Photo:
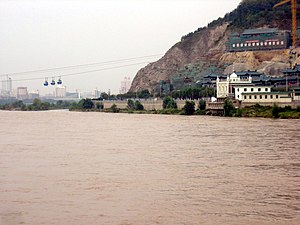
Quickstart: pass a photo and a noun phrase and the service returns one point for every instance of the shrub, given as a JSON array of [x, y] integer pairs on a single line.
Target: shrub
[[169, 103], [138, 105], [189, 108], [85, 104], [130, 104], [114, 108], [99, 105], [275, 111], [239, 113], [202, 104], [228, 108]]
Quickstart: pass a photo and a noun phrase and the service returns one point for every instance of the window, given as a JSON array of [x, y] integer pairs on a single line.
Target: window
[[282, 43], [237, 45], [238, 89], [245, 89], [261, 44], [242, 45], [257, 44], [260, 96], [274, 43], [259, 89], [266, 43], [250, 97], [271, 96], [233, 45], [238, 96], [276, 96], [253, 44], [266, 89], [266, 96], [270, 43], [255, 96], [277, 43], [252, 89], [245, 97]]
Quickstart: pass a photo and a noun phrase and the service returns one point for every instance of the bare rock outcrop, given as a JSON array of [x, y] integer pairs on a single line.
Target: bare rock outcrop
[[207, 44]]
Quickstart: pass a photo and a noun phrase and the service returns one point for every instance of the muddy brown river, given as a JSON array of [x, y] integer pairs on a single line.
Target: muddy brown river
[[61, 167]]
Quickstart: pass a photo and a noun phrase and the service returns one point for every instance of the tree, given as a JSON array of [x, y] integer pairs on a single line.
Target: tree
[[114, 108], [45, 106], [275, 111], [169, 103], [138, 105], [18, 104], [86, 103], [36, 104], [189, 108], [144, 94], [104, 95], [202, 104], [130, 104], [99, 105], [228, 107]]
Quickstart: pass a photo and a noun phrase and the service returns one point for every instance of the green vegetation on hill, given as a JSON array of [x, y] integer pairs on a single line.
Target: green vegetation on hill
[[253, 14]]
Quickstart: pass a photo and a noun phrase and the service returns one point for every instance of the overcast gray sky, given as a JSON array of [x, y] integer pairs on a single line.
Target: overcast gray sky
[[42, 34]]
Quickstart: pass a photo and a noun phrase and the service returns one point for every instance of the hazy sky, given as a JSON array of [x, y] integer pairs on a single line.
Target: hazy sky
[[43, 34]]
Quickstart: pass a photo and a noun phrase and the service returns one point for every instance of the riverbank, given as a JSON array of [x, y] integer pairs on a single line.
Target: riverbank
[[251, 111], [169, 107]]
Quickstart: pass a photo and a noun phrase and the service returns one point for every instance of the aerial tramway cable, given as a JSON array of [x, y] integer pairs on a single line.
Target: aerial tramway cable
[[79, 73], [79, 66]]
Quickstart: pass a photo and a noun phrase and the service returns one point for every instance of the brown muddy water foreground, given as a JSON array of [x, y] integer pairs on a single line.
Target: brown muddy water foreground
[[61, 167]]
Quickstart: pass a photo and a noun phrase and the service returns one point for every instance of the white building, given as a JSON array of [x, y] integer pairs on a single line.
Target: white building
[[267, 98], [60, 91], [97, 93], [248, 94], [225, 88], [6, 89], [22, 93], [125, 85], [239, 90], [33, 94]]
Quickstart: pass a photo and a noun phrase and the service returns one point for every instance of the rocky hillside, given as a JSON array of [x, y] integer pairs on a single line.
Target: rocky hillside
[[209, 44]]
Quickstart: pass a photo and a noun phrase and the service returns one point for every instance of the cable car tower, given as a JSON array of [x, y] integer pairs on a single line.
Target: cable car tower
[[294, 18]]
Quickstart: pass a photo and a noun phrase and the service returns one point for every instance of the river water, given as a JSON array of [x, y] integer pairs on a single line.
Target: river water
[[61, 167]]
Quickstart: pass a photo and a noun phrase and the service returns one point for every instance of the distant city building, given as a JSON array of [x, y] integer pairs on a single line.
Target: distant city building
[[33, 94], [97, 93], [22, 93], [125, 85], [6, 89], [9, 85], [60, 91], [73, 95], [87, 95]]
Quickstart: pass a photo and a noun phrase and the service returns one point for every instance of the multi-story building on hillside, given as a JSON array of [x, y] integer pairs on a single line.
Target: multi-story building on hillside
[[259, 39]]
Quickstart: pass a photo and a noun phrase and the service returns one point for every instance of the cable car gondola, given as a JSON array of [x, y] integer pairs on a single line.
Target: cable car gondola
[[59, 81], [53, 81], [46, 82]]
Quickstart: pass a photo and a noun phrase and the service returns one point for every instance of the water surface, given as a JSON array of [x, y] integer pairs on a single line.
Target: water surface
[[61, 167]]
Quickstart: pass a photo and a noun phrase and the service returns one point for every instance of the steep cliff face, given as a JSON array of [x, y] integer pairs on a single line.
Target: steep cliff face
[[207, 44], [268, 62]]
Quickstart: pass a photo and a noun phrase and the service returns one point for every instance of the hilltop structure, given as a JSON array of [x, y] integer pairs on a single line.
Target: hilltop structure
[[259, 39]]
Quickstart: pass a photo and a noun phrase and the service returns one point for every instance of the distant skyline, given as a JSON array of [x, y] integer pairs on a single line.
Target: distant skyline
[[42, 34]]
